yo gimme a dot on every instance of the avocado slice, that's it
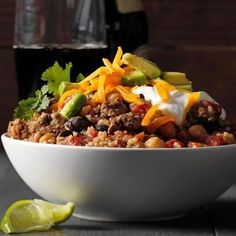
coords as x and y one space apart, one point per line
185 86
175 78
74 106
147 67
133 78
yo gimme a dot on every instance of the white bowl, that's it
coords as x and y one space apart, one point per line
123 184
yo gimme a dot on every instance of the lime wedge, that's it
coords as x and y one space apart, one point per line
34 215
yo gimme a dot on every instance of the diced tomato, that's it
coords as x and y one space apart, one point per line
61 105
140 136
142 108
214 140
93 133
174 143
76 140
121 143
119 134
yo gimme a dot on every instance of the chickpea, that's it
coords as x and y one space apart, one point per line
35 137
227 137
48 138
168 130
154 142
197 131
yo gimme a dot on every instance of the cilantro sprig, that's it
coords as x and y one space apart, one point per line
55 75
27 107
80 77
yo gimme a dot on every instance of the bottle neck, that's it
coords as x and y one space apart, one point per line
131 6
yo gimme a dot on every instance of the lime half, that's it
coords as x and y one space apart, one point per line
34 215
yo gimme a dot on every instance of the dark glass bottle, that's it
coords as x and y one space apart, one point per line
126 25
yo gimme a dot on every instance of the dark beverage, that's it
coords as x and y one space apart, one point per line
31 62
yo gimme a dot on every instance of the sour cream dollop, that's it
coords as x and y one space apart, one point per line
177 103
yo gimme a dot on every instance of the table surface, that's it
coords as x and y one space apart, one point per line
218 218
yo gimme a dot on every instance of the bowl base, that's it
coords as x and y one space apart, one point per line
120 220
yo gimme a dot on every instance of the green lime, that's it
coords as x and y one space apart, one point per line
34 215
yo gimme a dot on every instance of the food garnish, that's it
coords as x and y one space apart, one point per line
29 106
139 63
55 75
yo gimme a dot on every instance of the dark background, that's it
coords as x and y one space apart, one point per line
197 37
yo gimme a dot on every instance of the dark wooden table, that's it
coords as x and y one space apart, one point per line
218 218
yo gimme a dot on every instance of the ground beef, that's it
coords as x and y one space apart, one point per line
113 108
94 113
128 121
43 123
57 119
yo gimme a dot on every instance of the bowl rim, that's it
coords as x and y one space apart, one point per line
4 136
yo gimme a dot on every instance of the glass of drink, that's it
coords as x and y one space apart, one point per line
50 30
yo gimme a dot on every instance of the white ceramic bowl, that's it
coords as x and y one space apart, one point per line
122 184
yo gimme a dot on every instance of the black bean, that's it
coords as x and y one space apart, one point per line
127 121
64 133
101 127
77 124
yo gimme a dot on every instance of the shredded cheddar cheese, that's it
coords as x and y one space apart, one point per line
128 95
101 88
149 115
117 62
117 58
108 65
93 75
163 89
68 94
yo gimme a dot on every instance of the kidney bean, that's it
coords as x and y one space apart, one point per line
168 130
197 131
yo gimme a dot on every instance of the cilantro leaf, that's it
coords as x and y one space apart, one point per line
27 107
80 77
55 75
